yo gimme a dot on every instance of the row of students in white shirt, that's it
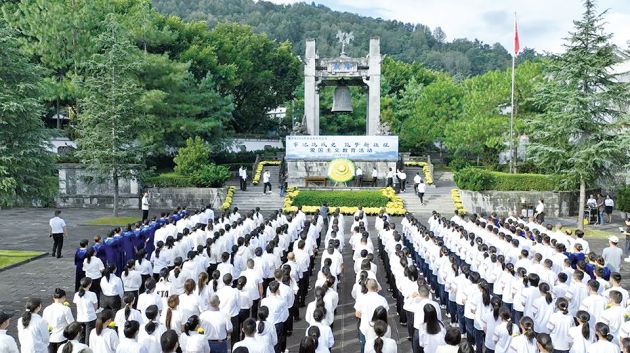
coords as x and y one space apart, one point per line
539 304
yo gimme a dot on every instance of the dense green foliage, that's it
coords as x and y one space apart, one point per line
582 131
623 199
294 23
193 162
192 157
26 168
341 198
168 180
198 81
477 179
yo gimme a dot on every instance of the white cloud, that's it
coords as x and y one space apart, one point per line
542 23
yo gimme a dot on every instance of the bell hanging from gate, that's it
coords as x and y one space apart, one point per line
342 100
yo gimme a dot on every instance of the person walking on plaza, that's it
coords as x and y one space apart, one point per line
374 177
57 232
390 178
416 180
358 176
266 181
421 188
242 177
145 206
609 204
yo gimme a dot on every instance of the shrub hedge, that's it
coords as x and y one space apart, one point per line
623 199
169 180
341 198
476 179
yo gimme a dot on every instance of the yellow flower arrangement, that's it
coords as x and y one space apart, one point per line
228 198
395 206
259 170
457 201
426 170
341 170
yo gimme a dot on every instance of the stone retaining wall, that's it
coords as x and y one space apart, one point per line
557 204
169 198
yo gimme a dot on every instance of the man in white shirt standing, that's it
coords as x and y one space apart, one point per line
374 176
358 176
540 211
421 188
7 343
390 178
266 181
145 206
242 174
365 306
57 231
217 325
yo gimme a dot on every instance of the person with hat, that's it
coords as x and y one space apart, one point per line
7 343
612 254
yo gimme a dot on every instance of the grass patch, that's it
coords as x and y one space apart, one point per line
11 257
341 198
591 232
113 221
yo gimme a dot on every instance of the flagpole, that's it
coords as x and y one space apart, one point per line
512 154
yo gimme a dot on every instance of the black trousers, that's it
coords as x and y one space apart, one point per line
243 184
145 215
265 187
54 346
87 328
57 244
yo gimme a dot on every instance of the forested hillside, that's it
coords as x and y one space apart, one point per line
403 41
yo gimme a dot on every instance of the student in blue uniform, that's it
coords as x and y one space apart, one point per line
99 248
79 256
129 251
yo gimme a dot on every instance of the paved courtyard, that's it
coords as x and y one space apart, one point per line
27 229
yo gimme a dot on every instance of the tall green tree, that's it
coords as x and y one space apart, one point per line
582 132
26 167
113 112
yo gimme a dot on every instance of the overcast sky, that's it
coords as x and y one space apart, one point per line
542 23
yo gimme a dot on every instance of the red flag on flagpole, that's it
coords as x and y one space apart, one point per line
517 44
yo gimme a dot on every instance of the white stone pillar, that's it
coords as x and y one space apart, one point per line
374 88
311 115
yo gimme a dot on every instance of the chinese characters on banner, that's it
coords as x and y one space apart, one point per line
357 148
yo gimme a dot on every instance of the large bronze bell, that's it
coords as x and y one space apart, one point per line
342 100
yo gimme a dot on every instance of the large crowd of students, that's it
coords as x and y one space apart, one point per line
191 282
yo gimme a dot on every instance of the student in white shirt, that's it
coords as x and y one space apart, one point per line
111 289
365 306
525 342
266 332
171 318
326 339
129 343
149 297
431 333
7 343
580 336
72 333
192 341
452 339
249 341
151 332
502 336
544 343
604 340
380 343
559 325
542 308
32 329
421 188
58 316
216 325
278 312
86 307
127 313
131 279
102 338
189 300
93 267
